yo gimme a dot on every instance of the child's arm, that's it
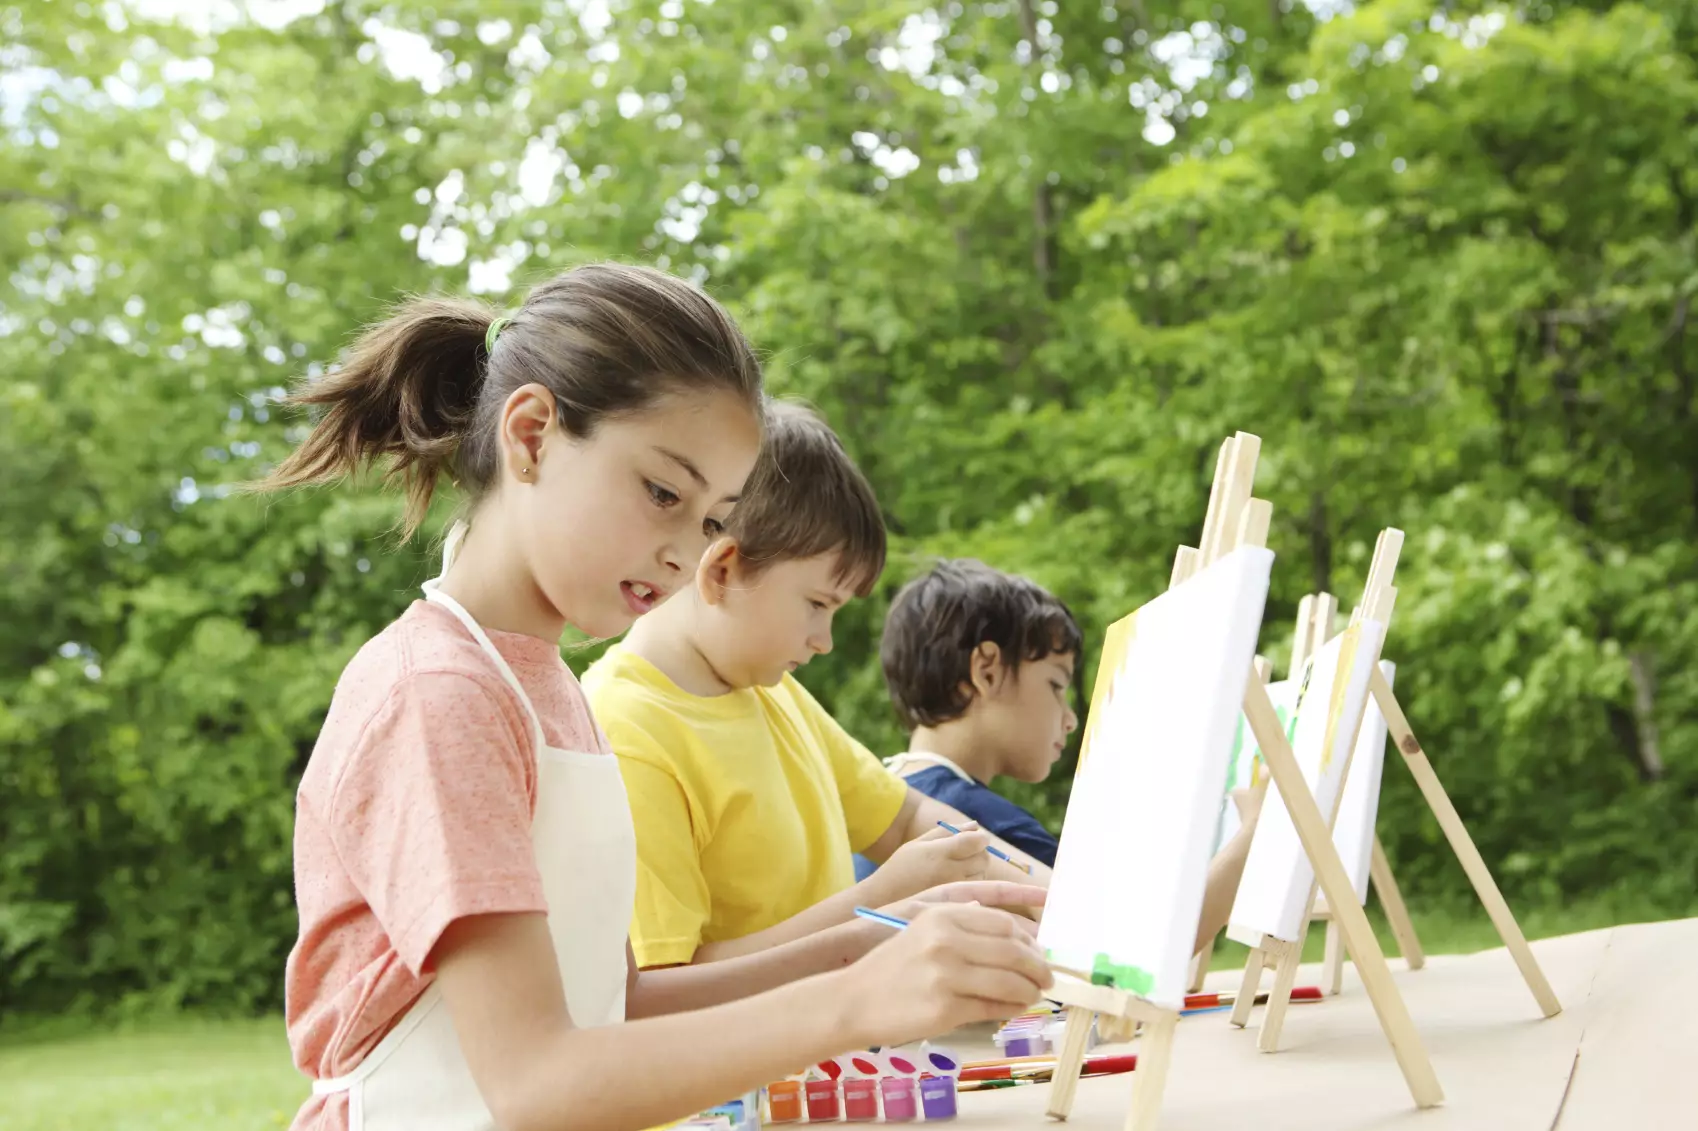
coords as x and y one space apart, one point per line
920 815
936 864
1227 868
674 989
536 1072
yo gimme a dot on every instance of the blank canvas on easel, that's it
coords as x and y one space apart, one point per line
1273 895
1135 846
1353 832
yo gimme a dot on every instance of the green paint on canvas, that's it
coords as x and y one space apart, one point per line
1133 979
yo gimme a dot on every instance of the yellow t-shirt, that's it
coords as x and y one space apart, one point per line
747 805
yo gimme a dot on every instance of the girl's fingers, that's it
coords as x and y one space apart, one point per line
1005 990
991 893
1010 952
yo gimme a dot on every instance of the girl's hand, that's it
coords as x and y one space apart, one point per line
955 965
935 858
1023 899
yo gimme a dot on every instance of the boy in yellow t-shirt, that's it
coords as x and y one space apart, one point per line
749 799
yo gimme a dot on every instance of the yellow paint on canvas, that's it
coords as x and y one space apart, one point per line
1116 642
1348 642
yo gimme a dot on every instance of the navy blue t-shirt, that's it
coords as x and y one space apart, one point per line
996 815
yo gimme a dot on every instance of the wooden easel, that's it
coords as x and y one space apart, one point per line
1315 615
1284 955
1235 519
1321 611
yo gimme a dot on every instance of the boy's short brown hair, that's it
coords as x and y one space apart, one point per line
940 617
806 497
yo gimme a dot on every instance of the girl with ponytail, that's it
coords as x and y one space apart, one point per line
464 860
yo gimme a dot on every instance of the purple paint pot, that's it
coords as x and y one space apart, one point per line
1034 1045
898 1093
937 1097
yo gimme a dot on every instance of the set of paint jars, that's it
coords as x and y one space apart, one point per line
1037 1033
865 1087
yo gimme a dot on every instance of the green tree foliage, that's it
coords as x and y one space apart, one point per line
1033 259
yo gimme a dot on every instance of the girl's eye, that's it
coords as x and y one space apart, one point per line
820 605
712 527
661 496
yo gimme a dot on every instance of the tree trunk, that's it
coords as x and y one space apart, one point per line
1643 671
1043 209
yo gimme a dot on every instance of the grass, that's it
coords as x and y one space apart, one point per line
1449 933
161 1075
187 1072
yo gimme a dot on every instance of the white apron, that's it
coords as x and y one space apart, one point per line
416 1078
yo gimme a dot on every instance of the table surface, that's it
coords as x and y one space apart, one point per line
1607 1062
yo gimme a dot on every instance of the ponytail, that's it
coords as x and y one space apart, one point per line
407 393
423 391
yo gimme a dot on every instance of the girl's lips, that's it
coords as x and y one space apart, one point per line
640 596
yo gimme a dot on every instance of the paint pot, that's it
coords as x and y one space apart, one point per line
939 1062
901 1087
784 1101
899 1099
740 1114
860 1073
860 1099
937 1097
823 1101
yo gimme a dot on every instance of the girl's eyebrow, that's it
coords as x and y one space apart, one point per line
684 462
691 470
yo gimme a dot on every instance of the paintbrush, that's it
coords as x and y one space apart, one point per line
993 850
901 924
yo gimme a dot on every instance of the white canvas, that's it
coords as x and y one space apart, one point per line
1245 754
1135 845
1353 835
1277 876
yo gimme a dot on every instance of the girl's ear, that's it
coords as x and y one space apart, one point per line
525 419
985 670
717 573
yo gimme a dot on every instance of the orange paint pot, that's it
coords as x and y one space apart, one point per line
784 1102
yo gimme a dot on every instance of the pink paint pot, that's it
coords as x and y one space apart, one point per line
899 1099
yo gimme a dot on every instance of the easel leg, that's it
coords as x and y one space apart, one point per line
1391 902
1332 965
1316 837
1248 987
1150 1080
1200 967
1285 980
1463 845
1069 1063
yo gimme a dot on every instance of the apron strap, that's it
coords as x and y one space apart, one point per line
899 762
434 594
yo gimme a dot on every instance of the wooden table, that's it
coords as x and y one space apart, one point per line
1622 1056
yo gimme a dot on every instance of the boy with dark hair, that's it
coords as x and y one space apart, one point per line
979 664
748 798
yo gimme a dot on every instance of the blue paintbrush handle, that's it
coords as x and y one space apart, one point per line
994 851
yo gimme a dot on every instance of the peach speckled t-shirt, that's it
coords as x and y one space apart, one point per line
414 811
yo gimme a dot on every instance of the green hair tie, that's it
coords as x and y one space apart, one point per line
493 332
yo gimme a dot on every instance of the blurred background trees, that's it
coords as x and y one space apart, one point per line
1034 260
